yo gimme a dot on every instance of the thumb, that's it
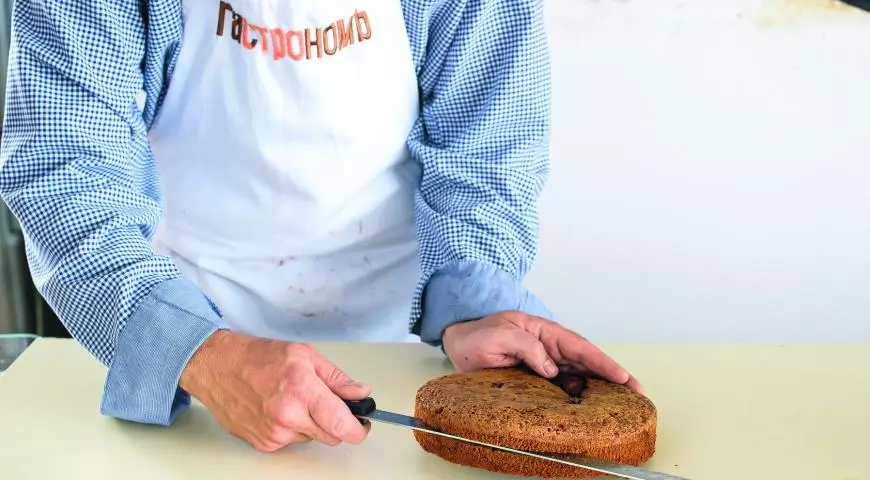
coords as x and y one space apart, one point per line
524 346
339 382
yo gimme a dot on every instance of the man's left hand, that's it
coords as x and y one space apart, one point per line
507 339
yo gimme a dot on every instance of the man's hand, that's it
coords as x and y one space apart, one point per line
272 393
508 338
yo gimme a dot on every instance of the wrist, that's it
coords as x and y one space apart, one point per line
205 360
448 334
453 333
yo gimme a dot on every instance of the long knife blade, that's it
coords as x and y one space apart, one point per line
365 409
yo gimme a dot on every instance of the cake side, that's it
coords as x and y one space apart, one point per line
497 461
516 409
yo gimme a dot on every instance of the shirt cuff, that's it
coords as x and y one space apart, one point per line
153 348
470 291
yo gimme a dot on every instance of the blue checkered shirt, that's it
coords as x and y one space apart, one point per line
77 171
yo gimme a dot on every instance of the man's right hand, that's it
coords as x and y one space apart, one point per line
272 393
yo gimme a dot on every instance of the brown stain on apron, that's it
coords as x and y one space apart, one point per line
786 13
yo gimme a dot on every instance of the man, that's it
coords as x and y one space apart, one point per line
292 167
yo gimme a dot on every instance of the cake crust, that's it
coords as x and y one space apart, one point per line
515 408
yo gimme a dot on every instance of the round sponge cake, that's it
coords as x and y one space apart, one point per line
517 409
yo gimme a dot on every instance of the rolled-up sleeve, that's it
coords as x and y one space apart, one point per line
482 143
77 171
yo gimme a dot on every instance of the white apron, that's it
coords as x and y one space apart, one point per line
287 182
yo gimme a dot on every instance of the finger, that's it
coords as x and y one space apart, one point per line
575 348
578 369
633 384
333 416
526 347
313 430
276 440
287 437
262 437
339 382
305 424
290 417
294 424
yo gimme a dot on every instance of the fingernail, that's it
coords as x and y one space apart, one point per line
550 367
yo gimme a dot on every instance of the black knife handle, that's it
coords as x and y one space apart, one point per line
862 4
361 408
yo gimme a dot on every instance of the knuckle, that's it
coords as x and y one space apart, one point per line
265 446
260 447
294 377
340 427
332 441
283 417
273 447
278 436
336 376
285 412
547 323
298 348
296 352
288 417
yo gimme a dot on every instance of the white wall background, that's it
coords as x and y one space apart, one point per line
711 171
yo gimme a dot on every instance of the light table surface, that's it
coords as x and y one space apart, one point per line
725 412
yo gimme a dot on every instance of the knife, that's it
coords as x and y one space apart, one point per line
367 409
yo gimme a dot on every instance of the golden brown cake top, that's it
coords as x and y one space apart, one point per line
521 410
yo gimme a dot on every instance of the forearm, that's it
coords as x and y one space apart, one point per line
484 157
77 173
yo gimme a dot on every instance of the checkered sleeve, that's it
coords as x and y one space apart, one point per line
482 142
77 171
